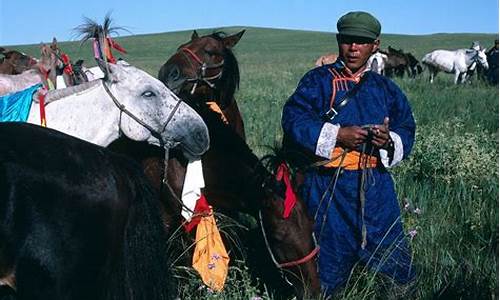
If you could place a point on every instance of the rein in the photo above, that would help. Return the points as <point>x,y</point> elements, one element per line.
<point>123,109</point>
<point>294,263</point>
<point>201,72</point>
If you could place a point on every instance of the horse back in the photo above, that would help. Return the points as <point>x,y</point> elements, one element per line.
<point>65,206</point>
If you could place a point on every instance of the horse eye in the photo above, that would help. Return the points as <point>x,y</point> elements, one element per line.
<point>148,94</point>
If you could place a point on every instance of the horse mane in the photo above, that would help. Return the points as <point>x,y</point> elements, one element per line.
<point>262,170</point>
<point>54,95</point>
<point>230,80</point>
<point>91,29</point>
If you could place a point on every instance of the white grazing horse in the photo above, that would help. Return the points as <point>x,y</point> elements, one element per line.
<point>458,62</point>
<point>128,101</point>
<point>376,62</point>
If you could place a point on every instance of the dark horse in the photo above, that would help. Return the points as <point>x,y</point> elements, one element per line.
<point>76,221</point>
<point>399,62</point>
<point>14,62</point>
<point>237,181</point>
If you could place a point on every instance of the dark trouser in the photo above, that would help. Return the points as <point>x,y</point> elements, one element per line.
<point>339,236</point>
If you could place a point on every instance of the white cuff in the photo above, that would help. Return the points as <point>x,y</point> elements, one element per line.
<point>398,152</point>
<point>327,140</point>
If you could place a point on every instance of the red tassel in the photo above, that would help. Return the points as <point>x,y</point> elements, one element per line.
<point>116,46</point>
<point>200,208</point>
<point>290,197</point>
<point>41,99</point>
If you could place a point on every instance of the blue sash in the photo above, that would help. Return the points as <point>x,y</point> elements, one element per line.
<point>16,106</point>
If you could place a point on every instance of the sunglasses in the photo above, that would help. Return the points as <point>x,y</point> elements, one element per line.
<point>350,39</point>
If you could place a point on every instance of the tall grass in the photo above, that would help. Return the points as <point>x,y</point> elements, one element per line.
<point>448,188</point>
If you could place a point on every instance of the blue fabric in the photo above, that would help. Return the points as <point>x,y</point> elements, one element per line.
<point>16,107</point>
<point>387,249</point>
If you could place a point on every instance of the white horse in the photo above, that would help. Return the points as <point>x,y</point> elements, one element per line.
<point>458,62</point>
<point>376,62</point>
<point>128,101</point>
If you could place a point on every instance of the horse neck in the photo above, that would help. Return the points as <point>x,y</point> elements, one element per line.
<point>89,115</point>
<point>14,83</point>
<point>470,58</point>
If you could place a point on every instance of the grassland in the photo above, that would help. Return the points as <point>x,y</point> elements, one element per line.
<point>452,176</point>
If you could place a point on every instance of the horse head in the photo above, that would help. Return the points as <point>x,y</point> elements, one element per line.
<point>204,69</point>
<point>17,61</point>
<point>482,58</point>
<point>149,111</point>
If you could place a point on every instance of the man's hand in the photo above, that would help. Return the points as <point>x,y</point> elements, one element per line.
<point>351,137</point>
<point>381,137</point>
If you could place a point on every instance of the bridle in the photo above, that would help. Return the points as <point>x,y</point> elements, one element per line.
<point>201,76</point>
<point>294,263</point>
<point>154,133</point>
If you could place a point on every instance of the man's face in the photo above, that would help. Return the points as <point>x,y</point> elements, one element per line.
<point>355,51</point>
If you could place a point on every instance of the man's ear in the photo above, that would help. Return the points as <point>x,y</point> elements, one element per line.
<point>376,45</point>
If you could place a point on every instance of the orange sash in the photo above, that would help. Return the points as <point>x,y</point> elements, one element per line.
<point>353,160</point>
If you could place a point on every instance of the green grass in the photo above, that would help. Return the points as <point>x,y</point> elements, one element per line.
<point>452,176</point>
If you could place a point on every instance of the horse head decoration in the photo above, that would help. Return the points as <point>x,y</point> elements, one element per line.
<point>206,70</point>
<point>64,67</point>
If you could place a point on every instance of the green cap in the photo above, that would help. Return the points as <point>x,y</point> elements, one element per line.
<point>359,23</point>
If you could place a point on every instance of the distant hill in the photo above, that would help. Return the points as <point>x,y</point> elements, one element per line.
<point>263,45</point>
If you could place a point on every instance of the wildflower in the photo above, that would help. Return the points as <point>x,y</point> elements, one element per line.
<point>412,233</point>
<point>417,211</point>
<point>406,204</point>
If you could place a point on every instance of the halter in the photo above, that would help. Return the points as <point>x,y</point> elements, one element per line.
<point>201,72</point>
<point>154,133</point>
<point>290,264</point>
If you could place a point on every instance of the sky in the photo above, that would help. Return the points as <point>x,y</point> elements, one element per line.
<point>35,21</point>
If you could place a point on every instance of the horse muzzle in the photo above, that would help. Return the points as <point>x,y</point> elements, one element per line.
<point>188,130</point>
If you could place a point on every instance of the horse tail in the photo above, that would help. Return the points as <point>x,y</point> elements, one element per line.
<point>144,269</point>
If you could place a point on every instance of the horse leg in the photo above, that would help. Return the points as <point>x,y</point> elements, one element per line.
<point>431,74</point>
<point>457,76</point>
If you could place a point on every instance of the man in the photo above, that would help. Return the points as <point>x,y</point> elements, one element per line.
<point>492,56</point>
<point>359,123</point>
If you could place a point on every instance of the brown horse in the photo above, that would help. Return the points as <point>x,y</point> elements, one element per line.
<point>236,181</point>
<point>206,70</point>
<point>398,62</point>
<point>15,62</point>
<point>72,74</point>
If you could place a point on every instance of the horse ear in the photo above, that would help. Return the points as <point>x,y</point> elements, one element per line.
<point>194,35</point>
<point>54,43</point>
<point>232,40</point>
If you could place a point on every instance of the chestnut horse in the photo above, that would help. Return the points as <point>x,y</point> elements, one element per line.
<point>236,181</point>
<point>205,70</point>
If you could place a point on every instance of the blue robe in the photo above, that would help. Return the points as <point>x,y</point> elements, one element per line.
<point>340,236</point>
